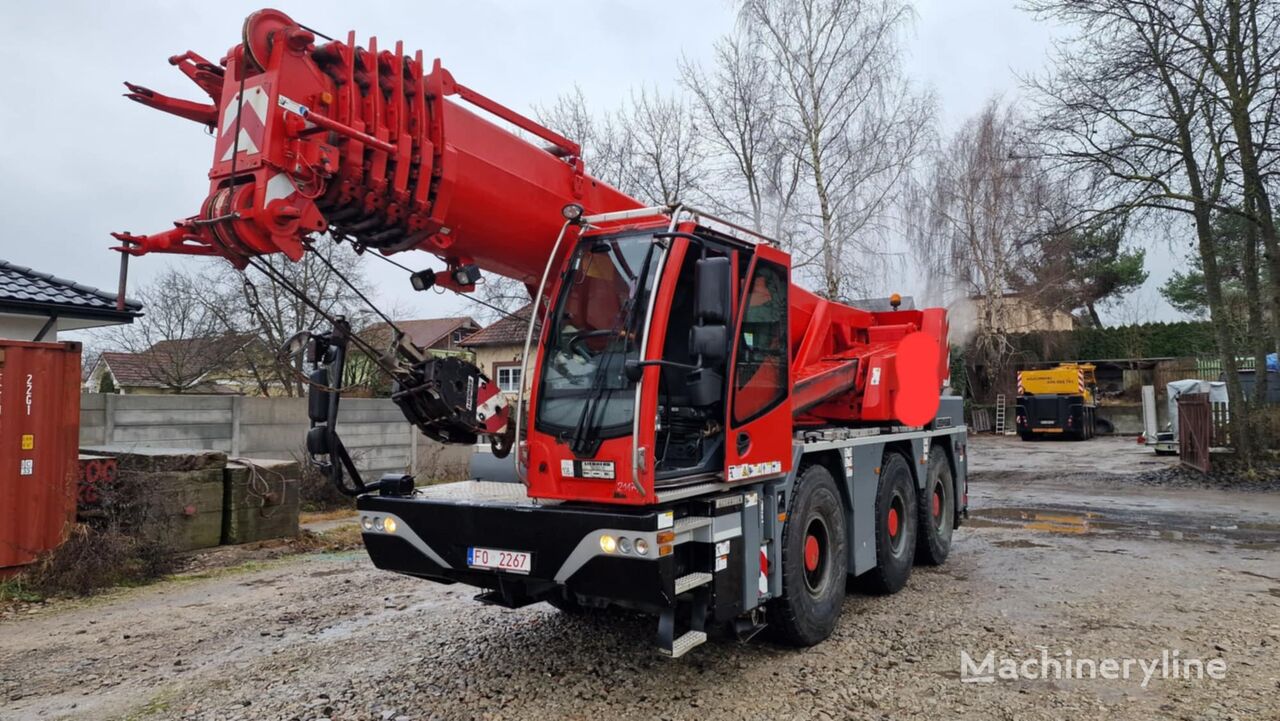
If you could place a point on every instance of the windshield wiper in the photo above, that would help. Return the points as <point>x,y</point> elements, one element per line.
<point>585,431</point>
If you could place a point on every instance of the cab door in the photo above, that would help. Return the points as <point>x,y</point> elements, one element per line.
<point>759,418</point>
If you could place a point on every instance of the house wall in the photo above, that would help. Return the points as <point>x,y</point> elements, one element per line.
<point>487,356</point>
<point>23,327</point>
<point>373,429</point>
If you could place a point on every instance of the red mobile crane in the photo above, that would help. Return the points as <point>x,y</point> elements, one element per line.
<point>704,440</point>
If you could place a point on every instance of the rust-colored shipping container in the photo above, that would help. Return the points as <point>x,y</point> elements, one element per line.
<point>39,443</point>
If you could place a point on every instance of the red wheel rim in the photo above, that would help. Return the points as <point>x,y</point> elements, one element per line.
<point>812,553</point>
<point>937,503</point>
<point>893,523</point>
<point>816,569</point>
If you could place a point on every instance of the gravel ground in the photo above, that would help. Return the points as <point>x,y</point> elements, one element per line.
<point>1082,561</point>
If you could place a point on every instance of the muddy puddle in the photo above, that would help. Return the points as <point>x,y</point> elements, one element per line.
<point>1049,521</point>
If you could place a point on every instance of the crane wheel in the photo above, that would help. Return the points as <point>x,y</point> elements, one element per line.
<point>815,561</point>
<point>937,511</point>
<point>895,527</point>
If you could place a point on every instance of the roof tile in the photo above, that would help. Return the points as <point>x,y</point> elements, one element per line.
<point>21,284</point>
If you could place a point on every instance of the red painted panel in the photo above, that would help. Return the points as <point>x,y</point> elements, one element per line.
<point>39,440</point>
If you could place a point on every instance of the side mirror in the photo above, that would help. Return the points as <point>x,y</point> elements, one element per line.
<point>711,342</point>
<point>712,280</point>
<point>318,396</point>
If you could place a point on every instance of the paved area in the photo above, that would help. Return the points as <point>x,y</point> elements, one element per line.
<point>1060,558</point>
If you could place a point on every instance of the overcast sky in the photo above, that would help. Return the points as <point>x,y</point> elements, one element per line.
<point>80,161</point>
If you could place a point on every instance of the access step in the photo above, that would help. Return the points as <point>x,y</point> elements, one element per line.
<point>690,581</point>
<point>685,644</point>
<point>689,524</point>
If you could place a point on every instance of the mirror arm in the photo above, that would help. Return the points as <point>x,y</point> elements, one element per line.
<point>633,367</point>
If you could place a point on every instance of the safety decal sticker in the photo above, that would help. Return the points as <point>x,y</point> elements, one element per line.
<point>28,441</point>
<point>27,467</point>
<point>743,471</point>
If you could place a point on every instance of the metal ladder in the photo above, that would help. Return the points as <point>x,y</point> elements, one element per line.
<point>1000,414</point>
<point>692,596</point>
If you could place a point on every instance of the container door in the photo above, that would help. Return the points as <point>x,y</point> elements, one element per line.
<point>760,419</point>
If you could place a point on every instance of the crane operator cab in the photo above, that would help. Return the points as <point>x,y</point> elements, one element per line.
<point>658,340</point>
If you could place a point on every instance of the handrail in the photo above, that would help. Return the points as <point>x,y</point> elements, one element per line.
<point>528,342</point>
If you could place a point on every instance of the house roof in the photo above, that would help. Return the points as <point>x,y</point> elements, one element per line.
<point>170,363</point>
<point>131,369</point>
<point>511,330</point>
<point>25,291</point>
<point>425,332</point>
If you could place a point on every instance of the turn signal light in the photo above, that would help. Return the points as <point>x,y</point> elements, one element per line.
<point>666,537</point>
<point>389,525</point>
<point>608,544</point>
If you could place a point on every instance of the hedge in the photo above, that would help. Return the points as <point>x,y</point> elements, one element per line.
<point>1147,340</point>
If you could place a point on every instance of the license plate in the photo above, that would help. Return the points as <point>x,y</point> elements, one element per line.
<point>499,560</point>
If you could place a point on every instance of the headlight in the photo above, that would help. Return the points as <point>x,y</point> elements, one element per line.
<point>366,523</point>
<point>379,523</point>
<point>624,545</point>
<point>642,547</point>
<point>608,544</point>
<point>389,525</point>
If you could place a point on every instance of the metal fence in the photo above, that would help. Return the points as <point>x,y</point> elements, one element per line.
<point>1195,430</point>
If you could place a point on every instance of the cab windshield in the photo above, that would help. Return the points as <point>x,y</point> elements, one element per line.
<point>595,329</point>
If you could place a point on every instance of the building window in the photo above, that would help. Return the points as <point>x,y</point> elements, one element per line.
<point>458,335</point>
<point>509,378</point>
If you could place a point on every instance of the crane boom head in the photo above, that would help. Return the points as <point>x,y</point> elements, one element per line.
<point>372,145</point>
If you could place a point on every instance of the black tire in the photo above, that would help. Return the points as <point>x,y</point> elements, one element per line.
<point>937,511</point>
<point>815,561</point>
<point>895,527</point>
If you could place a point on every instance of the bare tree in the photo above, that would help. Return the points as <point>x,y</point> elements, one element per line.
<point>980,216</point>
<point>648,147</point>
<point>605,146</point>
<point>1130,107</point>
<point>851,119</point>
<point>179,340</point>
<point>250,302</point>
<point>735,107</point>
<point>1238,42</point>
<point>666,151</point>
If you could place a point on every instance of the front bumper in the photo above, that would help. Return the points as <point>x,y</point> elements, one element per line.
<point>435,528</point>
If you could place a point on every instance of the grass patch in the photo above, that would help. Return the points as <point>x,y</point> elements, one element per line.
<point>16,590</point>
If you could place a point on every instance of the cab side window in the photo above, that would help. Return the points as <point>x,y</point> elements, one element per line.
<point>760,369</point>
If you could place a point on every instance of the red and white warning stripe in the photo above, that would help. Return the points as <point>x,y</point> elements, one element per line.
<point>252,110</point>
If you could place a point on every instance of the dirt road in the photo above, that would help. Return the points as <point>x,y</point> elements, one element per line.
<point>1068,562</point>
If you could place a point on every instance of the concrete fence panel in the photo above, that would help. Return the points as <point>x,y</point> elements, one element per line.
<point>373,429</point>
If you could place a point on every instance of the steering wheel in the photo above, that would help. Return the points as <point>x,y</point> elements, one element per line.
<point>575,341</point>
